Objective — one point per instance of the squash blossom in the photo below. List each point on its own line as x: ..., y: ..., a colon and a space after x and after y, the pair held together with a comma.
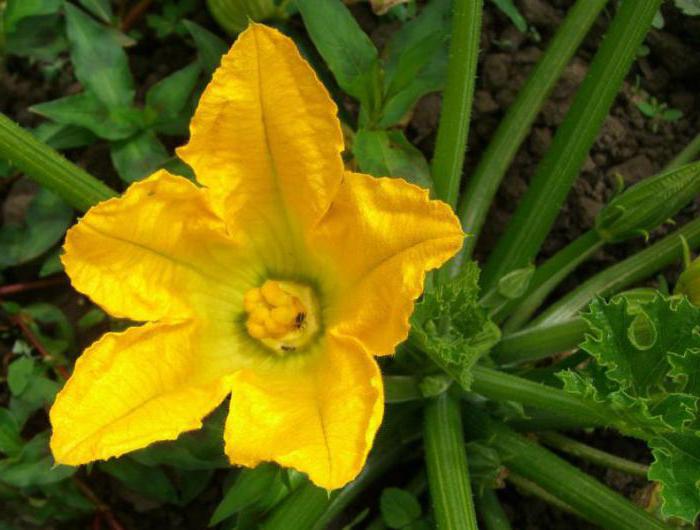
x: 276, y: 279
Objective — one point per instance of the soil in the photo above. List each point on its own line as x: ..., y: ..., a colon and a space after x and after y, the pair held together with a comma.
x: 630, y: 145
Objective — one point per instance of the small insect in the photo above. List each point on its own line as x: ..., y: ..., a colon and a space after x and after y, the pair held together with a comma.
x: 299, y: 320
x: 287, y: 347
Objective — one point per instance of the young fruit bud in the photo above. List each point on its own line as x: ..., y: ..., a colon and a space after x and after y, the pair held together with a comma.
x: 646, y: 205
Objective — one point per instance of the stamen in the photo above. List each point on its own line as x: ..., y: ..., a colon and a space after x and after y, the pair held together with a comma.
x: 282, y: 315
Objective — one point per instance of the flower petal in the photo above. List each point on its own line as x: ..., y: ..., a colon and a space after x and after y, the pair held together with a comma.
x: 320, y: 419
x: 265, y: 137
x: 159, y: 251
x: 380, y: 236
x: 130, y: 389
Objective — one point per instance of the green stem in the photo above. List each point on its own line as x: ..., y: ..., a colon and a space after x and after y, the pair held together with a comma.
x: 688, y: 154
x: 513, y: 129
x: 499, y: 386
x: 548, y: 276
x: 591, y: 499
x: 451, y: 142
x: 549, y: 420
x: 623, y: 274
x: 446, y: 462
x: 530, y: 488
x: 491, y: 511
x: 300, y: 510
x: 375, y: 467
x: 47, y: 167
x: 539, y: 342
x: 593, y: 455
x: 556, y: 173
x: 401, y: 388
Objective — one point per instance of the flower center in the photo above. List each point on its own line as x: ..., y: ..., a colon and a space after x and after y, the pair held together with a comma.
x: 282, y: 315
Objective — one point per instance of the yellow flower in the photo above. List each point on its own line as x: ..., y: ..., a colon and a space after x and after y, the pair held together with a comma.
x: 276, y: 281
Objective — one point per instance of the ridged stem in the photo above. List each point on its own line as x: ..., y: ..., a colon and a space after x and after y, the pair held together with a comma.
x: 588, y: 497
x: 46, y: 166
x: 453, y: 129
x: 539, y: 342
x: 513, y: 129
x: 591, y: 454
x: 687, y: 155
x: 558, y: 170
x: 446, y: 462
x: 491, y: 512
x: 623, y: 274
x: 300, y: 510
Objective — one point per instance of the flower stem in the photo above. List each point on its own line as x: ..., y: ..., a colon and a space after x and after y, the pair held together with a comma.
x: 300, y: 511
x: 625, y: 273
x: 591, y: 499
x: 688, y: 154
x: 453, y: 129
x: 491, y: 511
x: 558, y: 170
x: 446, y: 462
x: 593, y: 455
x: 47, y: 167
x: 483, y: 184
x: 530, y: 488
x: 499, y: 386
x: 548, y: 276
x: 539, y: 342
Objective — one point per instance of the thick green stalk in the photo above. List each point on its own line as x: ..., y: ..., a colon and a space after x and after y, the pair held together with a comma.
x: 47, y: 167
x: 687, y: 155
x: 556, y: 174
x: 623, y: 274
x: 446, y: 462
x: 539, y: 342
x: 499, y: 386
x: 300, y: 510
x: 548, y: 276
x: 593, y: 455
x: 491, y: 512
x: 591, y: 499
x: 513, y: 129
x: 451, y: 142
x: 376, y: 466
x: 530, y: 488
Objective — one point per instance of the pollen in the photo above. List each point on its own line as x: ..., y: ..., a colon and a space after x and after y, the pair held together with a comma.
x: 282, y: 315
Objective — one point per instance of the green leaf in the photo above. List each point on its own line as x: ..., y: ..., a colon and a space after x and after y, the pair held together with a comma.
x: 33, y: 392
x: 60, y: 136
x: 33, y: 465
x: 87, y: 111
x: 509, y: 9
x: 677, y: 467
x: 647, y: 371
x: 249, y: 487
x: 416, y: 61
x: 389, y: 153
x: 19, y: 373
x: 399, y: 507
x: 170, y: 95
x: 51, y: 326
x: 210, y: 48
x: 33, y: 28
x: 102, y: 9
x: 347, y: 49
x: 452, y: 328
x: 138, y: 156
x: 46, y: 220
x: 52, y: 264
x: 10, y: 439
x: 689, y: 7
x: 100, y: 63
x: 91, y: 318
x: 151, y: 482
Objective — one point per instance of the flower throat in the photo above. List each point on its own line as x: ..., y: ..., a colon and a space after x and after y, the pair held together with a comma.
x: 282, y: 315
